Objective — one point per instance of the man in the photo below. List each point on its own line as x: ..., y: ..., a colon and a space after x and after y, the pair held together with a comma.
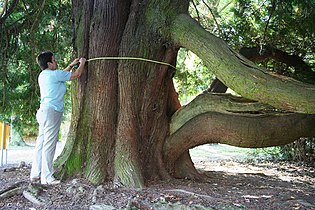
x: 52, y: 90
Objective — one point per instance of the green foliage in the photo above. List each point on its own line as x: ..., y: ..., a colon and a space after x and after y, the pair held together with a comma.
x: 301, y: 150
x: 285, y: 25
x: 192, y: 77
x: 26, y: 30
x: 269, y: 153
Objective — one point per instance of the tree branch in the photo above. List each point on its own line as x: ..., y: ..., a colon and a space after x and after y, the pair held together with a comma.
x: 4, y: 8
x: 240, y: 74
x: 215, y: 20
x: 256, y: 55
x: 6, y: 13
x: 269, y: 18
x: 195, y: 6
x: 194, y: 125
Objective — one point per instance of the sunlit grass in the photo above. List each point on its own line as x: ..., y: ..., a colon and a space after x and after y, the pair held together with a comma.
x: 220, y: 151
x: 227, y: 152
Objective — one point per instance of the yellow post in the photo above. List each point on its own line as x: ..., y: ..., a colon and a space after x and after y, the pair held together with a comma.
x: 4, y: 138
x: 4, y: 135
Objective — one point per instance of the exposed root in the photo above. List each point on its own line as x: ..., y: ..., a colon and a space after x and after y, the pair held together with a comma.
x: 12, y: 192
x: 30, y: 191
x: 194, y: 194
x: 15, y: 189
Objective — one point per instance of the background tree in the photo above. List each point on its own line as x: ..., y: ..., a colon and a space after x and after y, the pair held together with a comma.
x: 27, y: 28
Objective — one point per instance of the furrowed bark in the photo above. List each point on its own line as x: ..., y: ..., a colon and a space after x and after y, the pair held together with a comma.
x: 90, y: 145
x: 145, y: 98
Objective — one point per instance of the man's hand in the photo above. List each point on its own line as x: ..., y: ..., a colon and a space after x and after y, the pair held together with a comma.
x: 82, y: 60
x: 73, y: 63
x: 79, y: 70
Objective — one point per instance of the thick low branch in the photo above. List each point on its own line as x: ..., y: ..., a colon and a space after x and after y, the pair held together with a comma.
x: 193, y: 125
x: 213, y: 102
x: 252, y: 131
x: 240, y: 74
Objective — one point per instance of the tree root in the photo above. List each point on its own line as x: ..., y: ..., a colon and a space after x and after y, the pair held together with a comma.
x: 30, y: 191
x: 15, y: 189
x: 194, y: 194
x: 12, y: 192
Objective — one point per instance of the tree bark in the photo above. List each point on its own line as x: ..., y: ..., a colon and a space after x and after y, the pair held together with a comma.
x: 90, y: 146
x: 122, y: 109
x: 143, y: 120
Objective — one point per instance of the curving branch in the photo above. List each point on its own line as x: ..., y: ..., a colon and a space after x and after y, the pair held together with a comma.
x: 240, y: 74
x: 7, y: 11
x: 235, y: 122
x: 259, y: 54
x: 5, y: 4
x: 215, y: 102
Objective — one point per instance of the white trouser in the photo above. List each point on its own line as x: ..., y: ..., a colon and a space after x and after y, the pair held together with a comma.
x: 49, y: 122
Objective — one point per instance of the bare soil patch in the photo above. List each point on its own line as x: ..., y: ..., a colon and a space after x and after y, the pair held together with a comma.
x: 231, y: 184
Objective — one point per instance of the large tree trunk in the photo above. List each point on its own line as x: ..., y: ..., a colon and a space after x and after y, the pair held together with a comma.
x: 122, y: 109
x: 90, y: 148
x: 143, y: 96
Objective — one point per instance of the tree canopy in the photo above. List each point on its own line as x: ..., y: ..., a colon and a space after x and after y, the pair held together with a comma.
x: 27, y: 28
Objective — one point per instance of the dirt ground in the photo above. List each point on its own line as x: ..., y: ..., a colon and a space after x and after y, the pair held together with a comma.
x: 231, y: 184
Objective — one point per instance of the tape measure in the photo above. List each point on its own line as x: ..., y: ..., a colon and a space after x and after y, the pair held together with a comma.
x: 127, y: 58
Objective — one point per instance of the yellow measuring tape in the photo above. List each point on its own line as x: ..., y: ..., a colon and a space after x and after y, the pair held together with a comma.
x: 131, y: 58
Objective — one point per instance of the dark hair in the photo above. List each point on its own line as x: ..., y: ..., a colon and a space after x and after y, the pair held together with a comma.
x: 43, y: 58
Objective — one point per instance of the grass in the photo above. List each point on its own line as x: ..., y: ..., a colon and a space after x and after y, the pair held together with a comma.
x: 220, y: 151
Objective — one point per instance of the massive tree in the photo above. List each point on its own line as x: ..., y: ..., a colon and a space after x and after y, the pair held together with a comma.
x: 127, y: 123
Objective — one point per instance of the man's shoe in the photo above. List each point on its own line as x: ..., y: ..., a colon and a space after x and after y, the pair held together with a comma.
x: 54, y: 182
x: 36, y: 179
